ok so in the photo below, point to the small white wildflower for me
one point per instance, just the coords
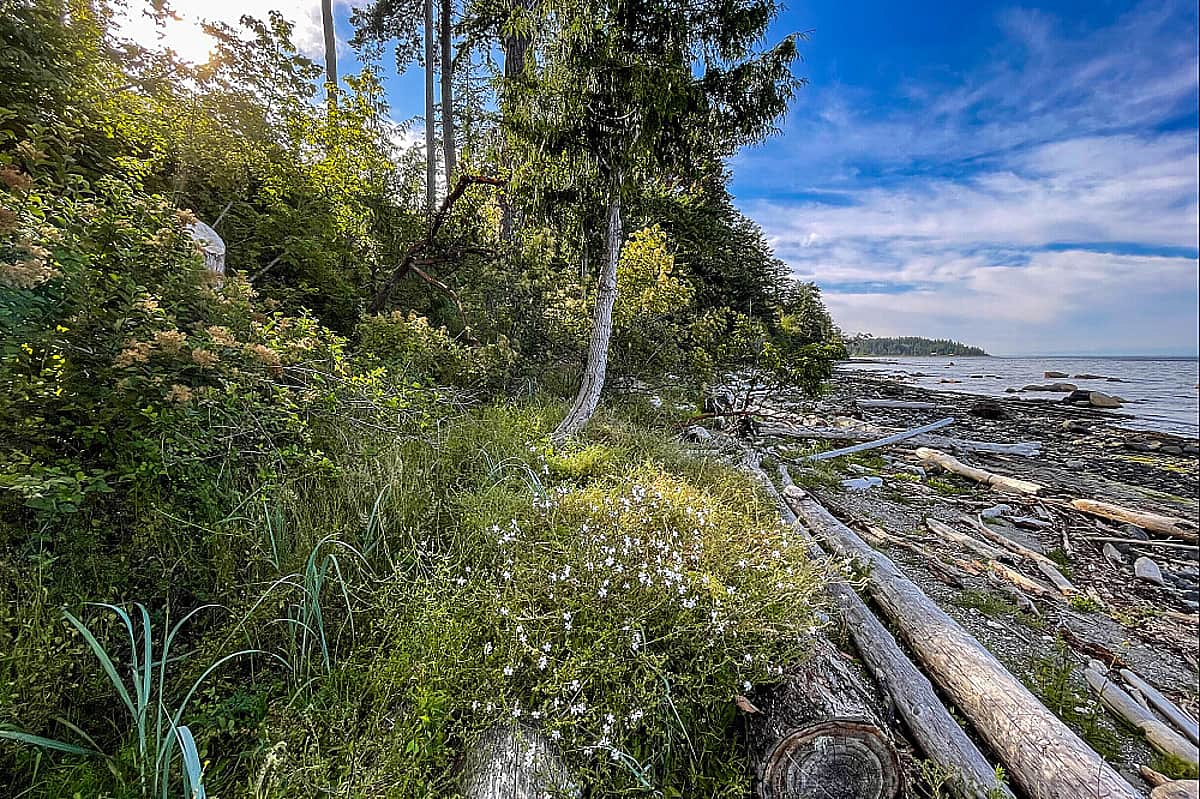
(508, 671)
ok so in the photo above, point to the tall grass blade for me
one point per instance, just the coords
(193, 774)
(46, 743)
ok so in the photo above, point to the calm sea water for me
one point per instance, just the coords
(1162, 393)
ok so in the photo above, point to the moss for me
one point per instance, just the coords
(1174, 767)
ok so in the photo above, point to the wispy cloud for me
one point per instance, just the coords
(1046, 200)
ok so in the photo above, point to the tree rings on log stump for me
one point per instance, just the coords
(836, 759)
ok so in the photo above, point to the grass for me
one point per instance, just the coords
(615, 593)
(1053, 681)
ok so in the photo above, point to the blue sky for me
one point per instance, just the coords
(1018, 176)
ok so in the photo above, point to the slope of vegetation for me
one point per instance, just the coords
(256, 537)
(909, 345)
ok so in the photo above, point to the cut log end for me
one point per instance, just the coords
(836, 759)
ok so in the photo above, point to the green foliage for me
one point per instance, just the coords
(866, 344)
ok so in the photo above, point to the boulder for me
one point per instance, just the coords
(1146, 569)
(1055, 387)
(1054, 374)
(988, 409)
(1011, 390)
(1089, 376)
(1113, 555)
(1133, 531)
(1115, 380)
(1171, 449)
(1098, 399)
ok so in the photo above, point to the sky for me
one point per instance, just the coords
(1022, 177)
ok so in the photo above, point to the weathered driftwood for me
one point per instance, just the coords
(899, 404)
(1158, 734)
(1112, 539)
(1169, 710)
(1046, 566)
(1177, 789)
(882, 442)
(1153, 522)
(952, 536)
(1023, 448)
(916, 702)
(1042, 754)
(817, 733)
(516, 762)
(952, 464)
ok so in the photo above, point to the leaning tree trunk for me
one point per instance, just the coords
(448, 144)
(602, 321)
(1045, 758)
(330, 48)
(515, 762)
(430, 150)
(817, 735)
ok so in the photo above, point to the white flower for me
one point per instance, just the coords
(504, 611)
(487, 648)
(508, 671)
(746, 686)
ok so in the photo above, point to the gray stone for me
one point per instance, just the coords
(1133, 531)
(1146, 569)
(1113, 554)
(1076, 426)
(1099, 399)
(1055, 374)
(1062, 388)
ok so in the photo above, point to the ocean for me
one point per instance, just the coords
(1161, 392)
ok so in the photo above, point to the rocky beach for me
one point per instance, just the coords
(1133, 594)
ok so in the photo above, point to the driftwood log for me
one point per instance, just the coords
(1158, 734)
(1151, 522)
(516, 762)
(1026, 449)
(1043, 755)
(914, 698)
(1169, 710)
(817, 734)
(952, 464)
(1046, 566)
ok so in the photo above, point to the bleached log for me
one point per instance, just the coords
(882, 442)
(1169, 526)
(1041, 753)
(1177, 789)
(952, 464)
(952, 536)
(916, 701)
(1046, 566)
(1102, 539)
(1022, 448)
(1170, 711)
(516, 762)
(1158, 734)
(898, 404)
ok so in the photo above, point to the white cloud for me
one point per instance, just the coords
(185, 36)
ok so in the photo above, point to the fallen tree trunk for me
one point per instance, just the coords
(1170, 711)
(882, 442)
(899, 404)
(818, 734)
(516, 762)
(1158, 734)
(1046, 566)
(1023, 448)
(1041, 753)
(916, 701)
(1152, 522)
(952, 464)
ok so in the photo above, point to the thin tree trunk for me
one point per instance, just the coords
(330, 48)
(448, 144)
(430, 149)
(606, 297)
(516, 47)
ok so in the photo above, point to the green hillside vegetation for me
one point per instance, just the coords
(312, 528)
(909, 345)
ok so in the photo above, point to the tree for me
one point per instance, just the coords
(331, 78)
(649, 90)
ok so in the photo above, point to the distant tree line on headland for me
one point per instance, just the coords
(866, 344)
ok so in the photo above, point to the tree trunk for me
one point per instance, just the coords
(817, 735)
(916, 702)
(516, 763)
(606, 297)
(330, 48)
(516, 48)
(448, 144)
(430, 121)
(1042, 754)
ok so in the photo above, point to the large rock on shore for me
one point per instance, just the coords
(1094, 399)
(1061, 388)
(1054, 375)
